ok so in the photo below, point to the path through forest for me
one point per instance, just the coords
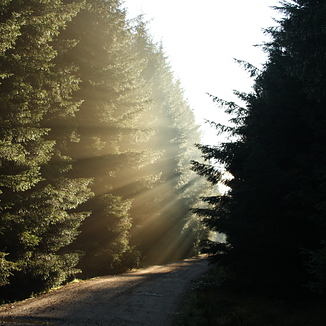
(145, 297)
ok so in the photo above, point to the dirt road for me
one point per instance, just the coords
(146, 297)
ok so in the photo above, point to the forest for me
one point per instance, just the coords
(274, 214)
(271, 267)
(96, 143)
(101, 166)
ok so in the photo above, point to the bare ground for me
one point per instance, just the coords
(146, 297)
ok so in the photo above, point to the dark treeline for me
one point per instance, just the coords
(274, 215)
(96, 143)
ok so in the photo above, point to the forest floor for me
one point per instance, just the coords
(210, 302)
(148, 296)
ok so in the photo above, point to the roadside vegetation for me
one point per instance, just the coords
(96, 145)
(212, 301)
(96, 140)
(272, 264)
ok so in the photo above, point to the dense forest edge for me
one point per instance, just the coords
(99, 172)
(96, 143)
(271, 267)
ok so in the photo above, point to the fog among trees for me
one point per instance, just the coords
(96, 144)
(101, 166)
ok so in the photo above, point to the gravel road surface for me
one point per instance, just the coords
(146, 297)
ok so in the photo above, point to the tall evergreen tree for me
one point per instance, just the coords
(109, 131)
(36, 219)
(166, 228)
(275, 209)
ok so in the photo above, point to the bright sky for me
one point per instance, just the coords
(201, 38)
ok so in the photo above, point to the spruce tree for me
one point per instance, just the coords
(109, 132)
(166, 228)
(36, 219)
(273, 213)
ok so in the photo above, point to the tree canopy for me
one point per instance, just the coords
(273, 216)
(96, 141)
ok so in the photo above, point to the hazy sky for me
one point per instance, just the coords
(201, 38)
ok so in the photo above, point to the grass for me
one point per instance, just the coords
(209, 302)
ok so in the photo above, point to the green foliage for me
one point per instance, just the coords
(6, 269)
(105, 235)
(95, 144)
(166, 228)
(108, 129)
(41, 272)
(37, 199)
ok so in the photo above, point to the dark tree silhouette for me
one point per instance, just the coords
(274, 214)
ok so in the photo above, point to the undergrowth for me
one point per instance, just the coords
(210, 302)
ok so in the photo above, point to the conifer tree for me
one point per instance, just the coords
(167, 229)
(36, 219)
(109, 131)
(274, 209)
